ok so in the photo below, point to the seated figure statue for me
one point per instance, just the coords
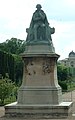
(39, 27)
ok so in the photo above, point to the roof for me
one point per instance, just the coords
(72, 54)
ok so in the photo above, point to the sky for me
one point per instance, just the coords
(15, 17)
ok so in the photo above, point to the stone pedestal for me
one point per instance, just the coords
(40, 85)
(39, 96)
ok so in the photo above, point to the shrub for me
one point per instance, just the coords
(63, 85)
(6, 87)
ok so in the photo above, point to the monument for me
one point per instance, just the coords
(39, 96)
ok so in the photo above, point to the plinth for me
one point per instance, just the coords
(39, 96)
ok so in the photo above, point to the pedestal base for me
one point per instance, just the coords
(62, 110)
(39, 95)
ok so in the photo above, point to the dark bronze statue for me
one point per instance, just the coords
(39, 29)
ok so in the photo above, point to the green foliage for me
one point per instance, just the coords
(14, 46)
(10, 99)
(62, 72)
(63, 85)
(11, 64)
(65, 77)
(6, 65)
(18, 69)
(10, 61)
(6, 87)
(15, 91)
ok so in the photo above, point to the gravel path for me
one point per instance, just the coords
(70, 96)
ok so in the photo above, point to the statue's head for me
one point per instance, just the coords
(38, 6)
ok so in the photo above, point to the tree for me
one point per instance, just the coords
(18, 69)
(14, 46)
(6, 87)
(10, 61)
(62, 72)
(63, 76)
(7, 64)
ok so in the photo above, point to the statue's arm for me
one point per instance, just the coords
(42, 14)
(36, 17)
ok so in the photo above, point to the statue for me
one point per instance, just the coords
(39, 29)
